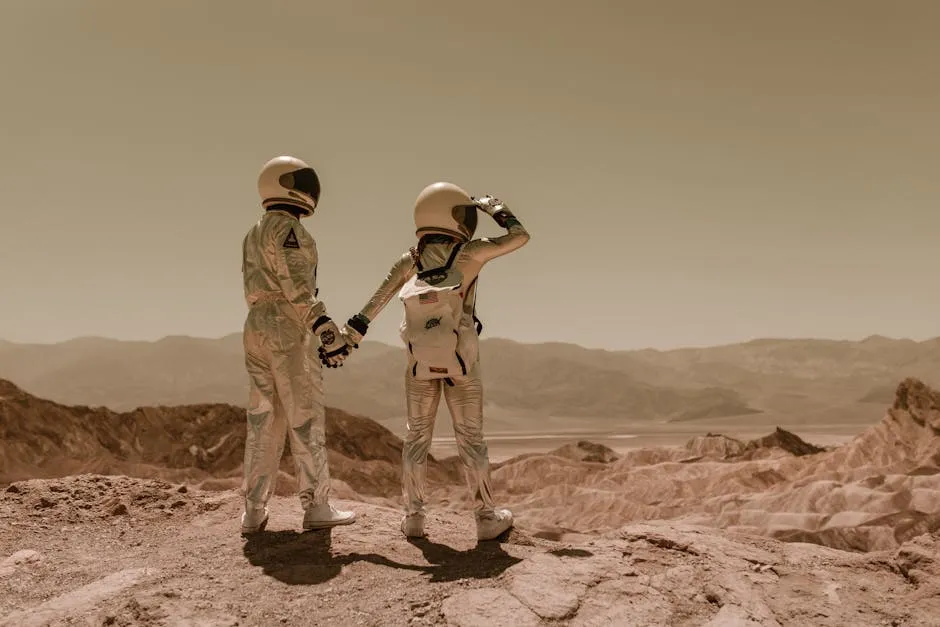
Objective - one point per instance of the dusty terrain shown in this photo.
(770, 531)
(118, 551)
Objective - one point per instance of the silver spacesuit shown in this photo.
(279, 264)
(445, 217)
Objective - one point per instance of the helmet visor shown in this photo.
(466, 215)
(304, 181)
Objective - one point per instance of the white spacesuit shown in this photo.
(279, 264)
(443, 349)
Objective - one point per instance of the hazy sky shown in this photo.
(692, 173)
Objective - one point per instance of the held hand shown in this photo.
(333, 359)
(355, 329)
(351, 336)
(333, 348)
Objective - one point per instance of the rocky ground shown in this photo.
(111, 550)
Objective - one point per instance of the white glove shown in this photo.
(355, 329)
(333, 348)
(495, 208)
(488, 204)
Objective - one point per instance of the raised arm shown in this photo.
(357, 326)
(485, 248)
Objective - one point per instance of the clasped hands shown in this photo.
(335, 343)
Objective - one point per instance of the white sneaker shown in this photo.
(492, 524)
(325, 515)
(254, 520)
(412, 525)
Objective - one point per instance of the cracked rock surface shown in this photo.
(121, 551)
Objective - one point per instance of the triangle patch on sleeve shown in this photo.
(291, 240)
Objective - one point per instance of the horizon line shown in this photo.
(754, 340)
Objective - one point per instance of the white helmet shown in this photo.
(290, 181)
(446, 209)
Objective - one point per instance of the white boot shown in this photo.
(412, 525)
(325, 515)
(254, 520)
(492, 524)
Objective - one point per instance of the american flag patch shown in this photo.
(427, 298)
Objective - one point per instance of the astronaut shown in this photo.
(279, 266)
(436, 281)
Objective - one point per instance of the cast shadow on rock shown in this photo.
(306, 559)
(484, 561)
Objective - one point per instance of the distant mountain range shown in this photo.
(550, 385)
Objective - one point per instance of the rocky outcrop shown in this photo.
(39, 438)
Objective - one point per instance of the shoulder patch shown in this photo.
(291, 240)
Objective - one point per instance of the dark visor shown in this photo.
(466, 215)
(305, 181)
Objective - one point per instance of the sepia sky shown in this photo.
(692, 173)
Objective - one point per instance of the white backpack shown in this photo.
(433, 301)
